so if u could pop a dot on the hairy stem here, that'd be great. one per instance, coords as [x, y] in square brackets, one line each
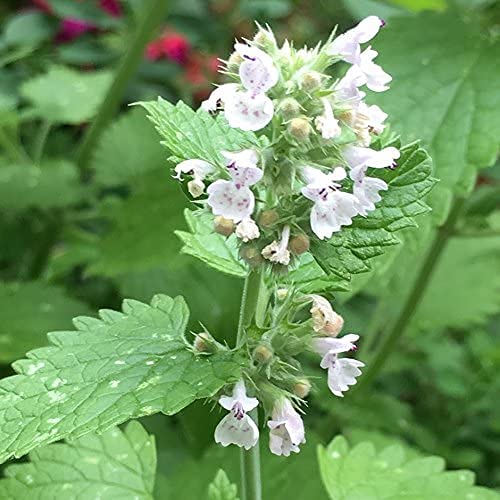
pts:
[414, 297]
[153, 15]
[251, 307]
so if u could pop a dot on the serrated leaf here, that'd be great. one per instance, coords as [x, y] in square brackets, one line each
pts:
[140, 237]
[444, 91]
[115, 464]
[350, 251]
[205, 244]
[64, 95]
[53, 184]
[221, 488]
[128, 148]
[29, 309]
[121, 366]
[195, 134]
[362, 472]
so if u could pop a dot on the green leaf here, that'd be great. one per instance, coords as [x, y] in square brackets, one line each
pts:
[121, 366]
[418, 5]
[115, 464]
[66, 96]
[205, 244]
[465, 288]
[28, 28]
[128, 148]
[445, 92]
[362, 472]
[195, 134]
[53, 184]
[29, 309]
[221, 488]
[141, 234]
[350, 251]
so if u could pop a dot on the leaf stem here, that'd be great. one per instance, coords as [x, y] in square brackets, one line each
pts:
[254, 291]
[153, 14]
[400, 325]
[40, 140]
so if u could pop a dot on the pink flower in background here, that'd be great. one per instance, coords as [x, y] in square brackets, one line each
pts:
[172, 46]
[71, 29]
[112, 7]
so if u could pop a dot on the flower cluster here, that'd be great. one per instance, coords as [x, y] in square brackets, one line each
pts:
[286, 428]
[315, 170]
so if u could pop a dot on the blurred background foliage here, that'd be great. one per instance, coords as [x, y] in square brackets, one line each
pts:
[77, 236]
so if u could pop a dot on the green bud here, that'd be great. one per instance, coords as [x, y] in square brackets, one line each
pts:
[302, 388]
[234, 62]
[262, 354]
[268, 218]
[265, 40]
[203, 342]
[289, 108]
[251, 255]
[300, 129]
[311, 81]
[223, 226]
[299, 244]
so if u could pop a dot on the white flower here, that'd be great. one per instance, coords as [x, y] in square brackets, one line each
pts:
[257, 71]
[346, 46]
[347, 89]
[375, 117]
[234, 199]
[332, 208]
[278, 252]
[342, 373]
[247, 230]
[198, 169]
[357, 157]
[375, 77]
[326, 346]
[247, 112]
[325, 319]
[218, 95]
[286, 429]
[327, 124]
[237, 427]
[366, 189]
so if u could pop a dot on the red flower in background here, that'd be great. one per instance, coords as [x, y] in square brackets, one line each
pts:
[172, 46]
[72, 28]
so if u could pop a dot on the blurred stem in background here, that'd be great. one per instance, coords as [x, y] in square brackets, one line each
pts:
[153, 15]
[253, 307]
[413, 299]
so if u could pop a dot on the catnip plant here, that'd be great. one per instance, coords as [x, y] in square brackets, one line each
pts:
[298, 185]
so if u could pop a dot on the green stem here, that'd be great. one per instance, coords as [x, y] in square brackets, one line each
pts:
[153, 16]
[399, 327]
[40, 140]
[251, 309]
[13, 150]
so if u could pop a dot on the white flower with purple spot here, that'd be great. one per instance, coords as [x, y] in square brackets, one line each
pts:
[286, 429]
[237, 427]
[332, 208]
[362, 157]
[375, 78]
[198, 170]
[367, 190]
[233, 199]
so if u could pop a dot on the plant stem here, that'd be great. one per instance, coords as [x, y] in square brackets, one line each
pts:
[153, 15]
[414, 297]
[251, 306]
[40, 140]
[13, 150]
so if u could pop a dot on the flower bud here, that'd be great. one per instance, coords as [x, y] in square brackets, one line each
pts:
[268, 218]
[196, 187]
[262, 354]
[311, 81]
[282, 293]
[223, 226]
[202, 342]
[251, 255]
[289, 108]
[234, 62]
[325, 319]
[302, 388]
[247, 230]
[264, 38]
[300, 129]
[299, 244]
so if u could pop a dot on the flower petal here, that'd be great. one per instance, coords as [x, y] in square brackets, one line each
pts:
[257, 71]
[241, 432]
[226, 199]
[247, 112]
